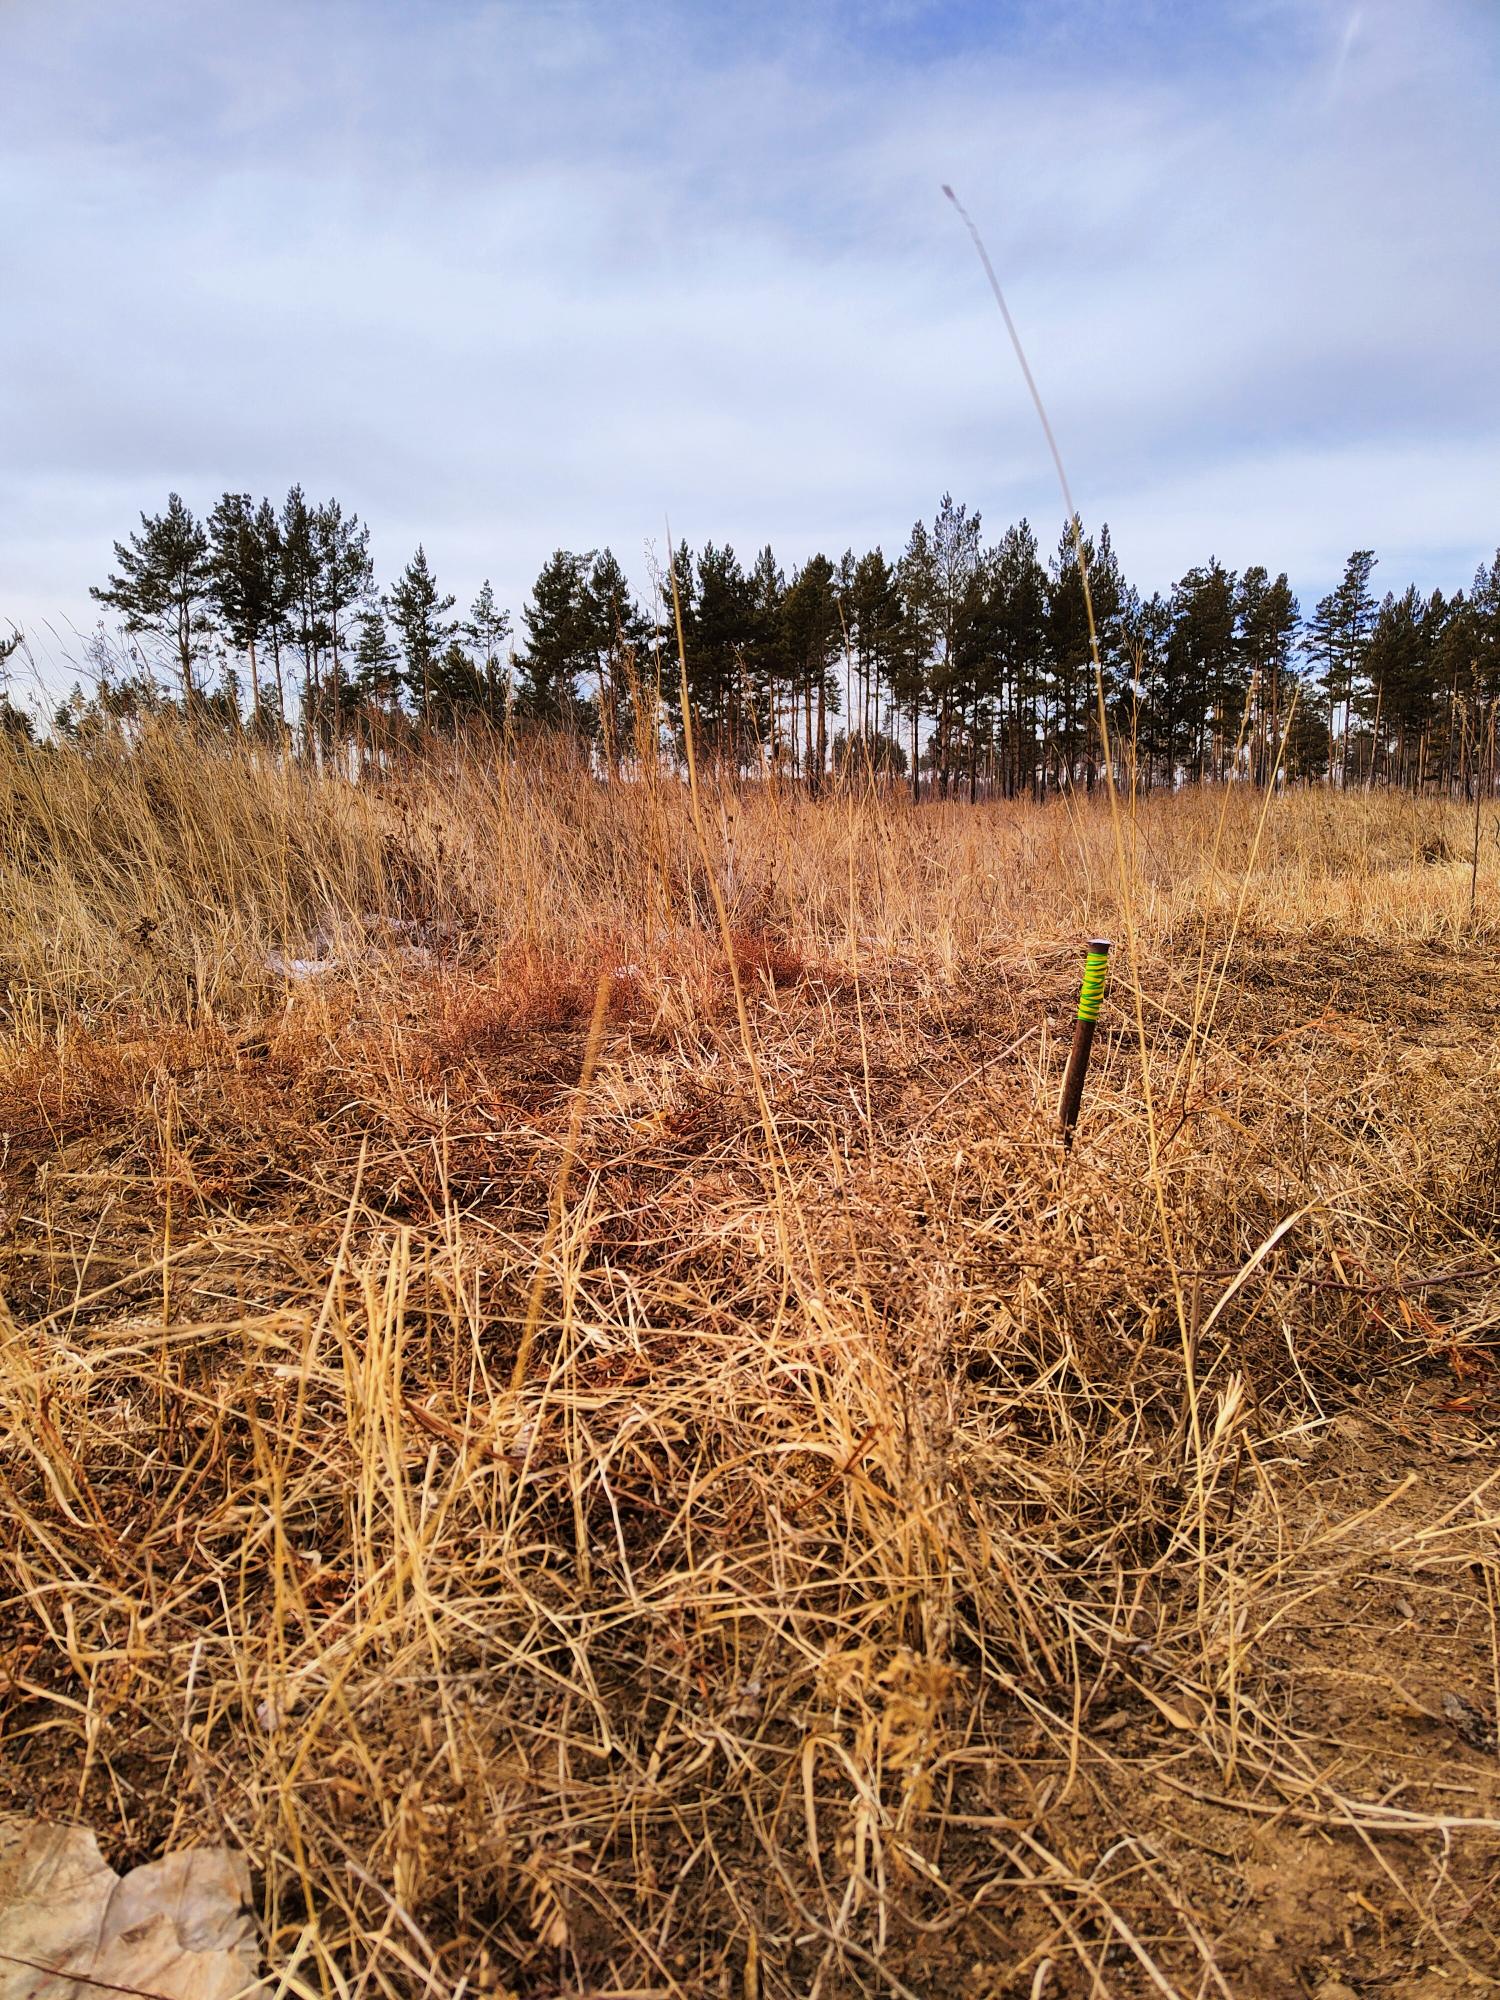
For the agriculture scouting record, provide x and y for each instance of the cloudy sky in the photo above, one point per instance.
(512, 274)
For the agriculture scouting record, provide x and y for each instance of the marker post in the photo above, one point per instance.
(1091, 994)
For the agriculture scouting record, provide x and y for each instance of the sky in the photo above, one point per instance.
(513, 275)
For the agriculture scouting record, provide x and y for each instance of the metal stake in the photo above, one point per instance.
(1095, 972)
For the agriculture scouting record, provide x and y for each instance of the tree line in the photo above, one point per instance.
(963, 667)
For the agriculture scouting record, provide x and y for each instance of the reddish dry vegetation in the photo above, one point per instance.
(607, 1457)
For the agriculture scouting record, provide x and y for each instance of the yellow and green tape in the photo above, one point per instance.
(1095, 975)
(1090, 999)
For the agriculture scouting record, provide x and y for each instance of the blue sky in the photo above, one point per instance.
(507, 275)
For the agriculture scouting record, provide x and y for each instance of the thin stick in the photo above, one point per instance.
(1095, 971)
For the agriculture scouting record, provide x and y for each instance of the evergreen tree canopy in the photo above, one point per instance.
(377, 664)
(304, 587)
(1269, 622)
(247, 588)
(974, 660)
(723, 631)
(1070, 686)
(348, 577)
(1484, 607)
(1204, 665)
(560, 640)
(486, 629)
(164, 587)
(419, 612)
(1337, 635)
(456, 686)
(617, 630)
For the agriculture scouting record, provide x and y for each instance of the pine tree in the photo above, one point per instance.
(977, 678)
(1208, 676)
(1017, 590)
(1144, 722)
(457, 691)
(723, 627)
(916, 574)
(766, 669)
(246, 580)
(1454, 641)
(1337, 635)
(305, 619)
(486, 629)
(617, 630)
(559, 641)
(267, 528)
(874, 614)
(812, 638)
(1268, 620)
(377, 665)
(1068, 664)
(1070, 661)
(677, 606)
(420, 615)
(164, 588)
(1484, 608)
(1306, 740)
(348, 578)
(1399, 663)
(955, 563)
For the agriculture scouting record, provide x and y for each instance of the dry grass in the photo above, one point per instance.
(599, 1485)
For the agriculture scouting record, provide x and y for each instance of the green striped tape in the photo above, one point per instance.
(1095, 972)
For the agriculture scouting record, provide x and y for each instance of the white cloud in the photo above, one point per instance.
(509, 276)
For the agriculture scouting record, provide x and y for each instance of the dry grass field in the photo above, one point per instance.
(559, 1391)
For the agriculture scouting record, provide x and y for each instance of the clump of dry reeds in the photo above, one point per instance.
(559, 1390)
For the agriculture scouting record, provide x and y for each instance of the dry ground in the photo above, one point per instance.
(715, 1501)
